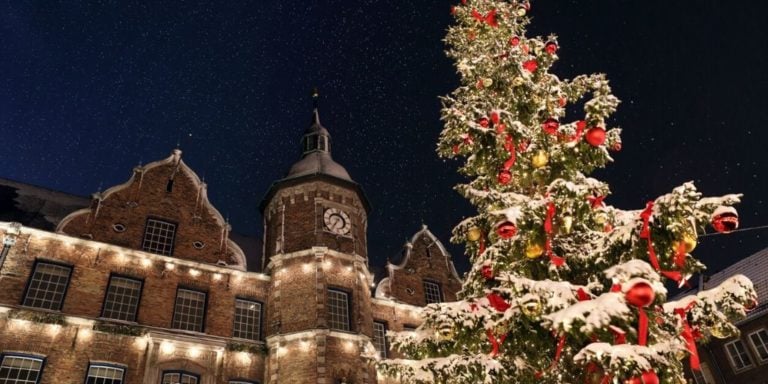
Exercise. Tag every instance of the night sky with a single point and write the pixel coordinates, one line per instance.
(89, 91)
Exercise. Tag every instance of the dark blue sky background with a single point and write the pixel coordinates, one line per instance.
(90, 89)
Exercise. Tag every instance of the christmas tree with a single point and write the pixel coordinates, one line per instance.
(563, 288)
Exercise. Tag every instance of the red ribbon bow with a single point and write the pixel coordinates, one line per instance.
(497, 302)
(596, 201)
(554, 259)
(689, 336)
(645, 233)
(489, 18)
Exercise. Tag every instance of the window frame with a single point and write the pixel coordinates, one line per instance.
(259, 334)
(439, 291)
(106, 365)
(348, 294)
(385, 353)
(760, 360)
(733, 362)
(32, 275)
(42, 360)
(181, 374)
(106, 295)
(205, 307)
(162, 220)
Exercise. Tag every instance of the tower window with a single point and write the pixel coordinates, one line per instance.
(189, 311)
(322, 143)
(122, 302)
(338, 309)
(20, 369)
(247, 319)
(380, 338)
(310, 143)
(169, 186)
(159, 236)
(104, 374)
(47, 286)
(432, 292)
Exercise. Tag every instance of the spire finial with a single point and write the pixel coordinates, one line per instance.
(315, 97)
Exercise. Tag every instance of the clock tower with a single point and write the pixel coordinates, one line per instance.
(319, 320)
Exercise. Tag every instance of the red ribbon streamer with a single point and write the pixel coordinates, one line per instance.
(489, 18)
(559, 350)
(495, 343)
(680, 255)
(497, 302)
(509, 145)
(619, 336)
(583, 295)
(689, 337)
(554, 259)
(482, 245)
(642, 327)
(645, 233)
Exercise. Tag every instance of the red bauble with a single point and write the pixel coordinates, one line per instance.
(455, 149)
(487, 272)
(483, 122)
(530, 65)
(551, 48)
(550, 126)
(506, 230)
(504, 177)
(514, 41)
(616, 146)
(562, 101)
(640, 295)
(495, 117)
(595, 136)
(650, 377)
(453, 9)
(500, 128)
(725, 219)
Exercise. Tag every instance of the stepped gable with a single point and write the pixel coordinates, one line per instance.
(163, 208)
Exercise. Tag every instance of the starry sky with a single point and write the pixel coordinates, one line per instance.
(90, 89)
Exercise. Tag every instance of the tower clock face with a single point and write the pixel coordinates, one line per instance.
(337, 221)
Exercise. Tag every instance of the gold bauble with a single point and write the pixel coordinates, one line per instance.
(688, 239)
(517, 81)
(540, 159)
(566, 224)
(520, 11)
(474, 234)
(720, 331)
(531, 308)
(533, 249)
(600, 217)
(487, 82)
(445, 332)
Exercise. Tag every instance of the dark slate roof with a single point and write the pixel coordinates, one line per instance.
(37, 207)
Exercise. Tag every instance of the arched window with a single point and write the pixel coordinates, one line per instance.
(180, 377)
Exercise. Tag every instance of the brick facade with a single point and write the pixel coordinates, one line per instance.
(304, 262)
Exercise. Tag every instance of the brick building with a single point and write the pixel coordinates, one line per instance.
(743, 358)
(146, 283)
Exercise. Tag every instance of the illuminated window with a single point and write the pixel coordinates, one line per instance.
(159, 236)
(247, 319)
(179, 377)
(380, 338)
(189, 311)
(122, 300)
(104, 374)
(338, 310)
(47, 286)
(432, 292)
(15, 369)
(738, 355)
(759, 341)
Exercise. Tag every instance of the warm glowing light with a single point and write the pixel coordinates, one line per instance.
(169, 266)
(327, 263)
(84, 334)
(349, 268)
(194, 352)
(194, 272)
(349, 346)
(146, 263)
(307, 267)
(20, 324)
(282, 351)
(53, 329)
(217, 276)
(141, 342)
(167, 347)
(304, 345)
(243, 358)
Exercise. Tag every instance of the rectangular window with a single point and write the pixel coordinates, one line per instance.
(159, 236)
(189, 311)
(380, 338)
(759, 341)
(432, 292)
(338, 310)
(47, 286)
(739, 356)
(122, 301)
(241, 382)
(104, 374)
(179, 377)
(20, 369)
(247, 319)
